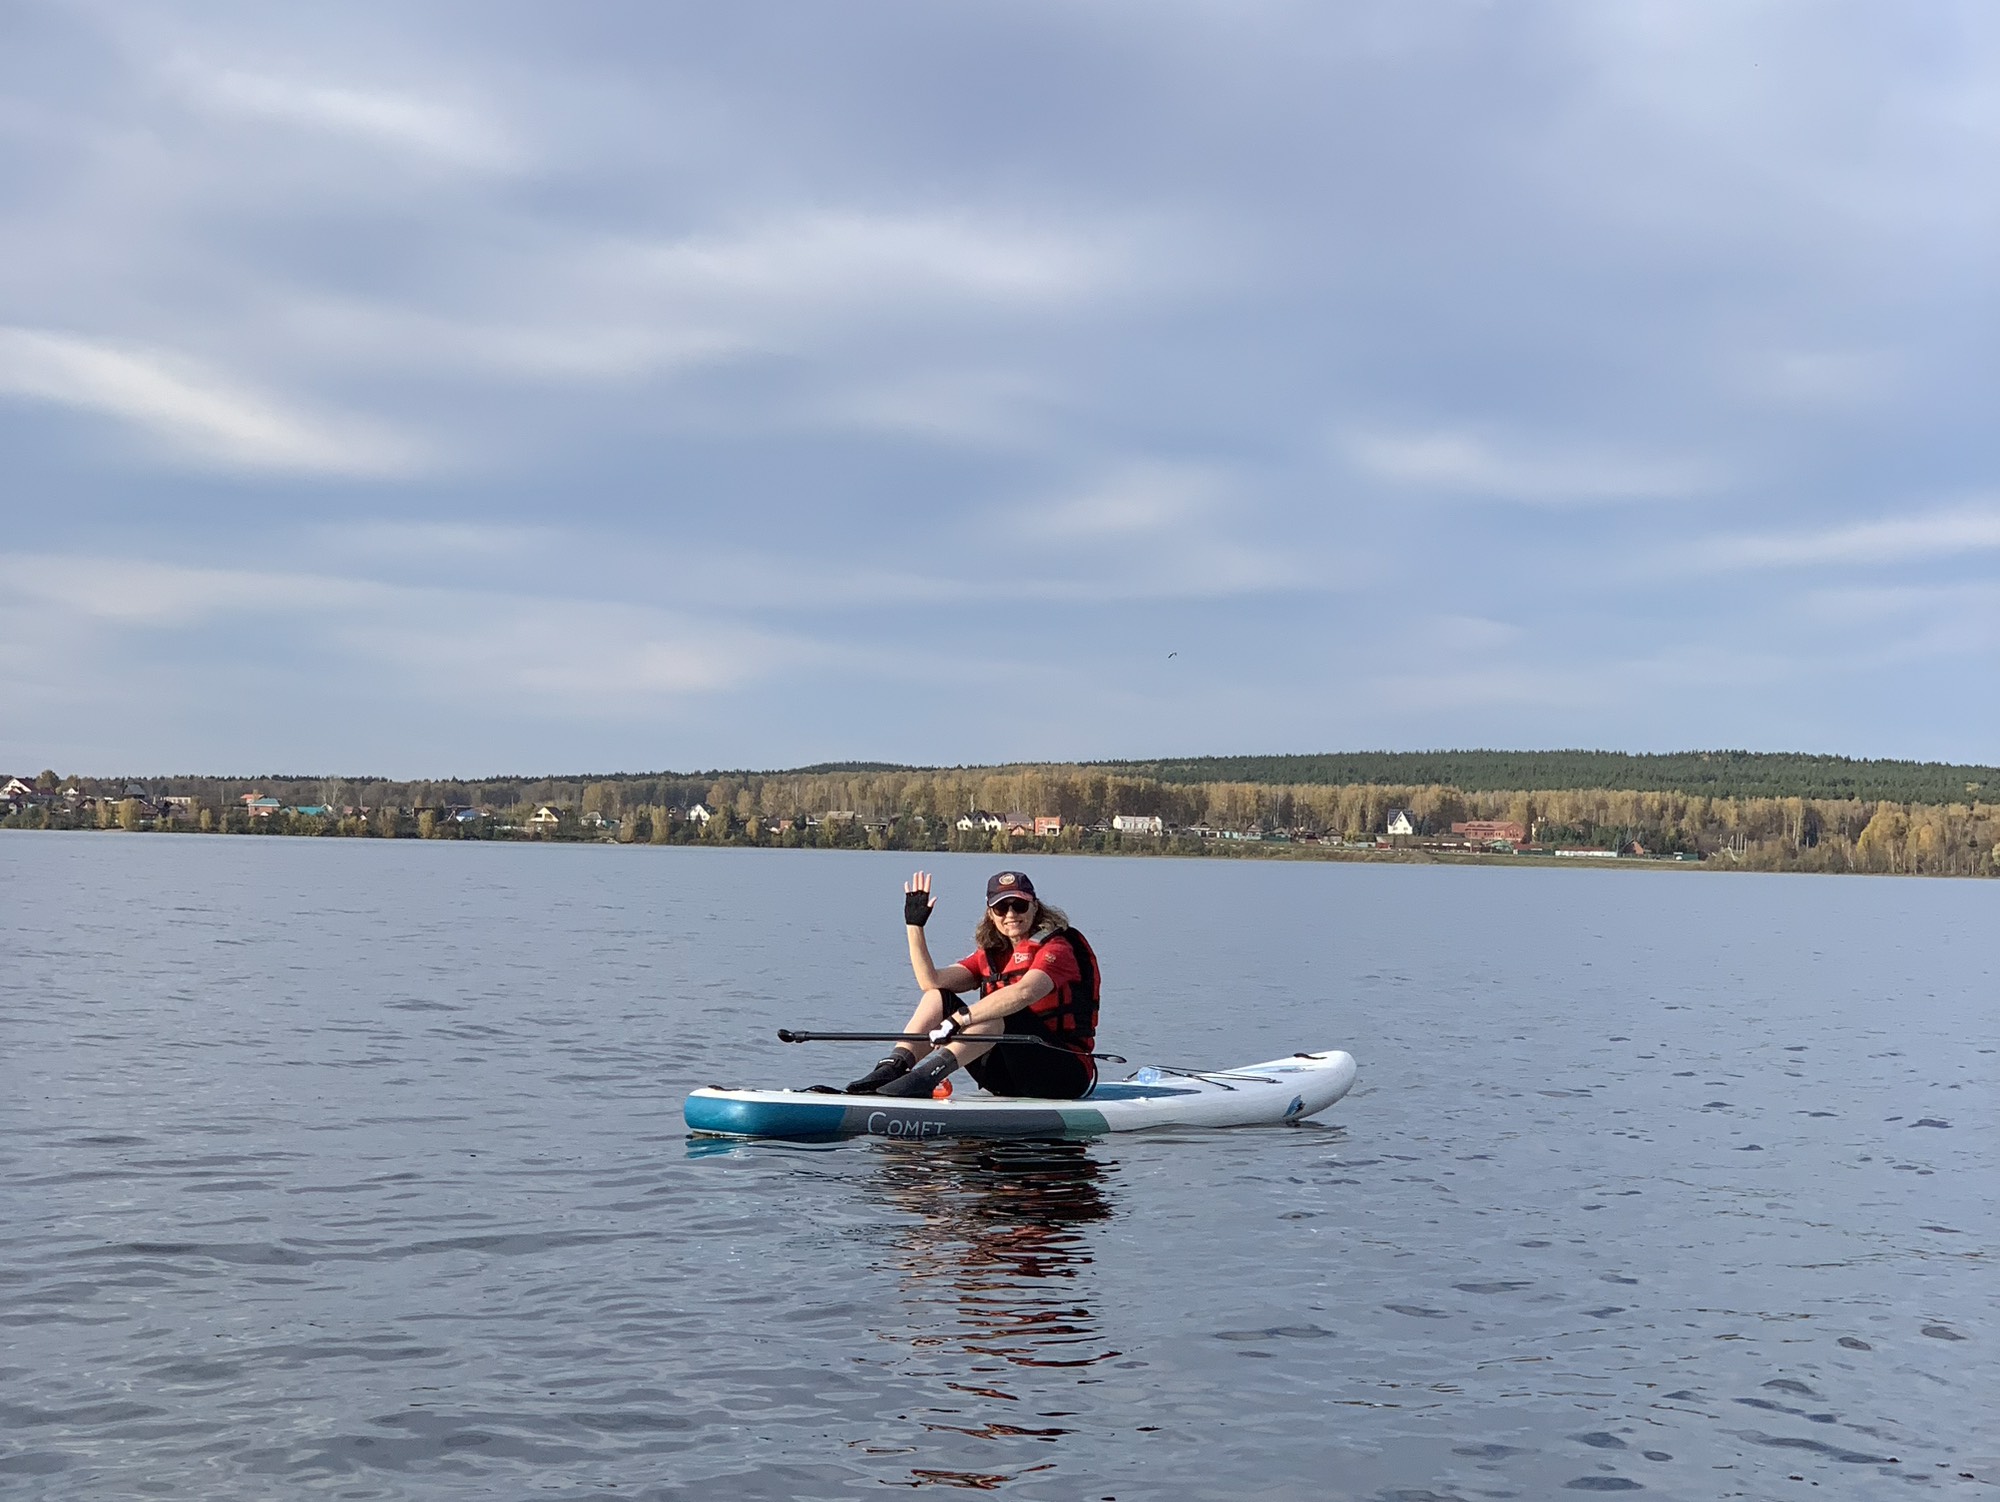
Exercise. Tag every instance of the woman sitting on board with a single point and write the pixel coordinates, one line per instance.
(1036, 976)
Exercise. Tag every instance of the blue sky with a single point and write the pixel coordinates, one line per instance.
(430, 390)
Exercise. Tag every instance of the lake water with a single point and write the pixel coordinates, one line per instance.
(354, 1169)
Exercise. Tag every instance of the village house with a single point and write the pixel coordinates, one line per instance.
(699, 813)
(1402, 821)
(544, 819)
(1491, 831)
(979, 819)
(1138, 824)
(260, 805)
(1047, 826)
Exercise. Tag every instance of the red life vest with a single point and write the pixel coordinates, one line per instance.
(1068, 1014)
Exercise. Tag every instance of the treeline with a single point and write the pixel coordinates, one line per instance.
(916, 809)
(1718, 774)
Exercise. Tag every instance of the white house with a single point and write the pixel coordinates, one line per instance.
(1138, 824)
(544, 818)
(980, 819)
(699, 814)
(1402, 821)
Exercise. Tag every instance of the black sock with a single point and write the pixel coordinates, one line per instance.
(923, 1079)
(893, 1067)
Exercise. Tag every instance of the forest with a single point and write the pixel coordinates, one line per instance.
(888, 807)
(1716, 774)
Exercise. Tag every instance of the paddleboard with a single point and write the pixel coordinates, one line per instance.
(1279, 1090)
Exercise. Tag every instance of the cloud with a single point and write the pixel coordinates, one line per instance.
(373, 540)
(1157, 530)
(1936, 534)
(405, 123)
(1816, 378)
(612, 659)
(608, 308)
(1888, 625)
(1865, 605)
(138, 593)
(579, 342)
(1465, 463)
(202, 416)
(1135, 500)
(846, 256)
(604, 657)
(978, 408)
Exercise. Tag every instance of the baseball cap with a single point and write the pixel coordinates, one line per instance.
(1009, 884)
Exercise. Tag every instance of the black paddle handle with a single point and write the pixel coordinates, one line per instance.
(795, 1035)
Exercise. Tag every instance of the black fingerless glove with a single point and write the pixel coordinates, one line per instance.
(916, 908)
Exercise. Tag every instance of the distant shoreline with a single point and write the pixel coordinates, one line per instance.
(1272, 851)
(1056, 810)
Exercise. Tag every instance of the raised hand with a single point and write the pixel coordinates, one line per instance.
(917, 901)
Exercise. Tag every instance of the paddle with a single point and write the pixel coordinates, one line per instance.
(793, 1035)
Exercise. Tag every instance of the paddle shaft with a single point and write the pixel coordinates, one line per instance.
(792, 1035)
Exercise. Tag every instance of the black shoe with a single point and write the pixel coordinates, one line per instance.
(894, 1067)
(920, 1081)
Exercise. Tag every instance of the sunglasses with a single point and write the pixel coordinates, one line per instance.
(1010, 907)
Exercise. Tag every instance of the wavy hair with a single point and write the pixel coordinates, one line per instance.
(987, 936)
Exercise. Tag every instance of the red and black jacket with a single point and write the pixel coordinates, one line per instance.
(1067, 1015)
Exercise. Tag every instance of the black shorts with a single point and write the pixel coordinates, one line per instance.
(1029, 1069)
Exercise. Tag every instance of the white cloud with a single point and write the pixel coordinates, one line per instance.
(1457, 636)
(612, 658)
(1825, 378)
(138, 593)
(980, 408)
(1867, 605)
(365, 541)
(1503, 684)
(1905, 623)
(1133, 501)
(203, 416)
(1468, 464)
(584, 342)
(406, 123)
(841, 257)
(602, 308)
(1936, 534)
(607, 658)
(1155, 530)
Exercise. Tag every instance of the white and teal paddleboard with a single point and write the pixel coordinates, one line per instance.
(1282, 1090)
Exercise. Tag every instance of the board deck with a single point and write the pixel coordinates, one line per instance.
(1278, 1090)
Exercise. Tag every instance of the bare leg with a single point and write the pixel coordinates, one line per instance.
(930, 1012)
(913, 1051)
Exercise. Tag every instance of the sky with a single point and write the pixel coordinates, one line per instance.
(463, 389)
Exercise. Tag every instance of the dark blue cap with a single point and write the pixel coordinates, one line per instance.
(1009, 884)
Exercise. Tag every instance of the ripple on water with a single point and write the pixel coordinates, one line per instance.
(388, 1196)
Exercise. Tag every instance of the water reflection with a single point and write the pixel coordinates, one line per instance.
(1000, 1232)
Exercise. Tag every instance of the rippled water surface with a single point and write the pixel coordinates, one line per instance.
(352, 1169)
